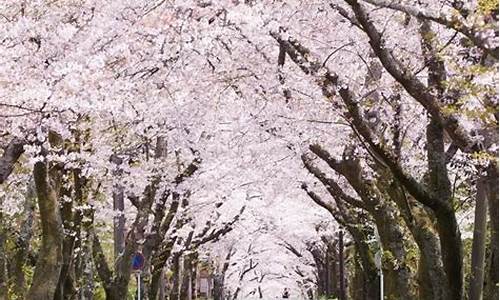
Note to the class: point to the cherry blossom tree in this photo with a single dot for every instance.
(249, 135)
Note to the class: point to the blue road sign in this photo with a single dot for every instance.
(138, 261)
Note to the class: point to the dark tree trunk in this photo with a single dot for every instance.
(218, 291)
(491, 290)
(175, 269)
(328, 271)
(3, 261)
(187, 269)
(48, 266)
(23, 243)
(396, 269)
(319, 262)
(84, 267)
(219, 288)
(447, 226)
(358, 287)
(66, 288)
(335, 275)
(431, 274)
(479, 241)
(331, 269)
(380, 208)
(118, 209)
(158, 264)
(118, 221)
(162, 290)
(360, 234)
(342, 281)
(371, 277)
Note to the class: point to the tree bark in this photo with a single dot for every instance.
(4, 286)
(9, 157)
(447, 226)
(219, 278)
(118, 210)
(175, 269)
(453, 22)
(358, 286)
(162, 290)
(374, 202)
(479, 241)
(342, 281)
(187, 269)
(158, 263)
(23, 243)
(48, 266)
(431, 274)
(71, 219)
(491, 291)
(359, 233)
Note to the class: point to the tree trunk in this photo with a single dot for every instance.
(447, 226)
(84, 267)
(158, 262)
(186, 292)
(175, 268)
(335, 278)
(118, 209)
(452, 252)
(87, 277)
(3, 262)
(162, 289)
(431, 274)
(342, 281)
(395, 267)
(118, 221)
(48, 266)
(371, 278)
(65, 287)
(218, 291)
(319, 262)
(377, 204)
(328, 271)
(479, 242)
(23, 243)
(357, 286)
(491, 291)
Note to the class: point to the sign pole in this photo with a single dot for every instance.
(137, 265)
(379, 259)
(139, 285)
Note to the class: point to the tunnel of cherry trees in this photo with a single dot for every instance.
(249, 149)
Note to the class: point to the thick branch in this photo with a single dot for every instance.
(411, 83)
(453, 22)
(217, 233)
(359, 234)
(191, 168)
(332, 187)
(350, 168)
(9, 157)
(102, 267)
(331, 82)
(292, 249)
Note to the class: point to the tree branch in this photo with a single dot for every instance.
(411, 83)
(453, 22)
(332, 187)
(10, 156)
(330, 82)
